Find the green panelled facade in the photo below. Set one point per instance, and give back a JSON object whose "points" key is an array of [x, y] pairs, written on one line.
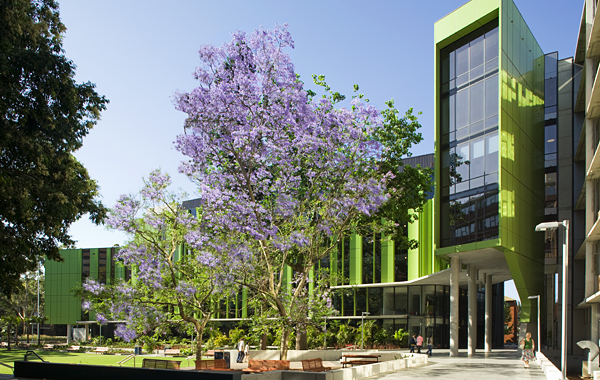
{"points": [[62, 307], [521, 138]]}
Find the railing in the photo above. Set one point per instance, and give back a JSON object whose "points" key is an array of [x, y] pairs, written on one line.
{"points": [[33, 353], [128, 358], [6, 365]]}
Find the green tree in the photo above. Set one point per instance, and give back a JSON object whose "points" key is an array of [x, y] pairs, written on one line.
{"points": [[44, 116]]}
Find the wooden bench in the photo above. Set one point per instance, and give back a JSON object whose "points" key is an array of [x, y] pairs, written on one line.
{"points": [[172, 351], [74, 348], [101, 350], [48, 347], [3, 344], [314, 365], [161, 363], [217, 364], [256, 365], [210, 353], [372, 359]]}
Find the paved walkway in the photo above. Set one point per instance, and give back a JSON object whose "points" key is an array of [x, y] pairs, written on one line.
{"points": [[498, 365]]}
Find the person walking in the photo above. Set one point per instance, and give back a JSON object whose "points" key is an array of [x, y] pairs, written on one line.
{"points": [[419, 343], [413, 344], [240, 349], [528, 346], [247, 352], [430, 346]]}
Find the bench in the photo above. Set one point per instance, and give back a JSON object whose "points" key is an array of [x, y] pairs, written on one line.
{"points": [[172, 351], [101, 350], [218, 364], [3, 344], [372, 359], [74, 348], [161, 363], [314, 365], [210, 353], [256, 365], [48, 347]]}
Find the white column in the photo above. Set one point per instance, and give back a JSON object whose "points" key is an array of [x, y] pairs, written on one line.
{"points": [[488, 313], [472, 303], [69, 334], [454, 293]]}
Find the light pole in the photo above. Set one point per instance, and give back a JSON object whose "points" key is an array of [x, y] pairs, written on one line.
{"points": [[539, 334], [325, 335], [362, 328], [551, 226]]}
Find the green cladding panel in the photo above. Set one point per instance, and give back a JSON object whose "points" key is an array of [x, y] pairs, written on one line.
{"points": [[356, 259], [421, 259], [387, 260], [520, 140], [521, 153], [62, 307]]}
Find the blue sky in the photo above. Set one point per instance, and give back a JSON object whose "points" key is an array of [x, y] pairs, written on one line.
{"points": [[139, 53]]}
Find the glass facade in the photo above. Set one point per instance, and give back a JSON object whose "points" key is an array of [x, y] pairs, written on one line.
{"points": [[469, 136]]}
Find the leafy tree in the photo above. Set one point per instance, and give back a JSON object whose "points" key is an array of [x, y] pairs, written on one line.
{"points": [[44, 116], [173, 285], [285, 173]]}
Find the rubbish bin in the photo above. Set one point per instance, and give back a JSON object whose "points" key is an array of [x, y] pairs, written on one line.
{"points": [[137, 350], [224, 355]]}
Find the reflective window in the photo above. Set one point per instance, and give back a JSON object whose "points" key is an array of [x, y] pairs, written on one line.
{"points": [[470, 100]]}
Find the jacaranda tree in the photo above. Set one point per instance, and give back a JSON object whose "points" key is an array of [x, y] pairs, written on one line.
{"points": [[173, 285], [282, 174]]}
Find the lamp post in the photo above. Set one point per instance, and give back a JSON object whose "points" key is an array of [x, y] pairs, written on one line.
{"points": [[551, 226], [362, 328], [539, 334]]}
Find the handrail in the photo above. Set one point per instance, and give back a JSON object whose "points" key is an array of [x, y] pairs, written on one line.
{"points": [[128, 358], [29, 352], [9, 366]]}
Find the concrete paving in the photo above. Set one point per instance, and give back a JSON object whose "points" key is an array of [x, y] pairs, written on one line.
{"points": [[498, 365]]}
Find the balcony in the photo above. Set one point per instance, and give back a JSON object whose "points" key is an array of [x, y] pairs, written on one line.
{"points": [[593, 107], [593, 172], [593, 44]]}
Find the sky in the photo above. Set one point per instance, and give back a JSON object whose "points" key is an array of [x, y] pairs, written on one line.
{"points": [[140, 53]]}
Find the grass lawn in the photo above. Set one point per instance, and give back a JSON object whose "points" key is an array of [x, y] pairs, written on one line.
{"points": [[8, 357]]}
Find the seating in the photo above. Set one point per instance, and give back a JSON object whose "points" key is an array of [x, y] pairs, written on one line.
{"points": [[256, 365], [216, 364], [372, 359], [48, 347], [74, 348], [3, 344], [161, 363], [210, 353], [172, 351], [314, 365], [101, 350]]}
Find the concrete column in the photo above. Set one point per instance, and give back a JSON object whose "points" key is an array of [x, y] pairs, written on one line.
{"points": [[488, 313], [69, 334], [472, 302], [454, 293]]}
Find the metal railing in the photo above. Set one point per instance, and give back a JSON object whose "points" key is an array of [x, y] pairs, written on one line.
{"points": [[128, 358], [33, 353], [9, 366]]}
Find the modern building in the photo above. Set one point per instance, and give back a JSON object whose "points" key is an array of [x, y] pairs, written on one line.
{"points": [[516, 144]]}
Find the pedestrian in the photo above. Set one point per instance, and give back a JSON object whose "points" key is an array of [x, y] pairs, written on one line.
{"points": [[240, 349], [247, 352], [413, 344], [419, 343], [528, 346], [430, 346]]}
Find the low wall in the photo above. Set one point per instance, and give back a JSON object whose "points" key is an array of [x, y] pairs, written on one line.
{"points": [[550, 370], [353, 373], [327, 355], [61, 371]]}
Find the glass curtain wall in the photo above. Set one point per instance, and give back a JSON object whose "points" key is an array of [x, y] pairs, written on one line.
{"points": [[469, 135]]}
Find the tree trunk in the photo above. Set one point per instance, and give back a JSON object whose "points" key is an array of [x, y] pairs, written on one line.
{"points": [[263, 342], [8, 336], [199, 344], [285, 341], [301, 339]]}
